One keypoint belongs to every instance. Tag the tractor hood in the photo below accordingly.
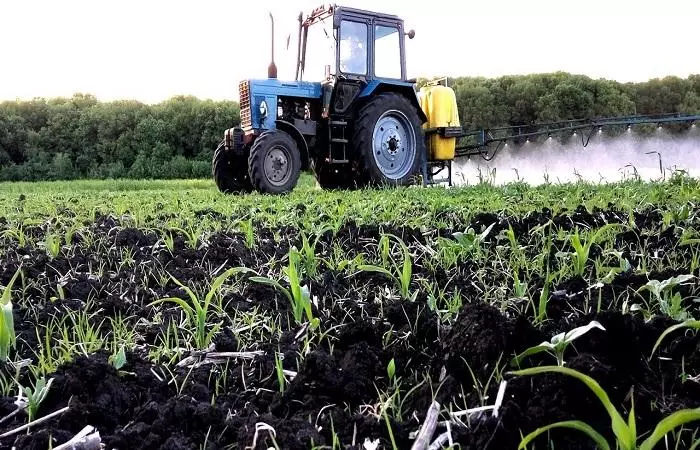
(258, 99)
(271, 86)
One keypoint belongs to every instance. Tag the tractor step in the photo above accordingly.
(337, 141)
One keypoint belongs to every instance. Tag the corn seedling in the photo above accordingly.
(246, 226)
(519, 287)
(118, 359)
(35, 396)
(690, 324)
(558, 345)
(279, 370)
(463, 245)
(8, 340)
(18, 234)
(582, 250)
(670, 302)
(298, 295)
(197, 313)
(191, 236)
(541, 310)
(625, 431)
(168, 240)
(391, 369)
(400, 274)
(308, 251)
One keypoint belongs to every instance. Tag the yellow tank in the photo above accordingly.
(439, 103)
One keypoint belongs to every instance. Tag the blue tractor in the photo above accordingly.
(361, 125)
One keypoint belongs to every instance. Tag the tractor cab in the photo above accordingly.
(350, 115)
(359, 50)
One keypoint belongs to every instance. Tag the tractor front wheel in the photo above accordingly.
(230, 172)
(389, 141)
(274, 162)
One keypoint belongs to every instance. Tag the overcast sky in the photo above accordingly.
(153, 49)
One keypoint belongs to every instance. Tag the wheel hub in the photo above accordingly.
(394, 144)
(277, 168)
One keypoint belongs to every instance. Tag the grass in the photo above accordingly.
(145, 201)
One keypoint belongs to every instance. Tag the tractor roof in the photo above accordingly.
(362, 12)
(325, 11)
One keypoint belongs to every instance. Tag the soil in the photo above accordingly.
(335, 392)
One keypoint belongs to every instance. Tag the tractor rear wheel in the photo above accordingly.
(389, 142)
(274, 162)
(230, 172)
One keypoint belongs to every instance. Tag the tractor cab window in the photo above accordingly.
(320, 51)
(353, 47)
(387, 52)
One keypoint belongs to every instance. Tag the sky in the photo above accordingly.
(150, 50)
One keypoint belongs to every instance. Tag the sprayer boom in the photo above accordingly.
(479, 142)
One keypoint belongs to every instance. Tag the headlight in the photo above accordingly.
(263, 108)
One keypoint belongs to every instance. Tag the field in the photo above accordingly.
(169, 316)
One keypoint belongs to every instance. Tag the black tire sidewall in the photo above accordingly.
(230, 172)
(367, 117)
(256, 160)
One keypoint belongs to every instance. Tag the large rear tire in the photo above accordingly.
(274, 163)
(388, 140)
(230, 172)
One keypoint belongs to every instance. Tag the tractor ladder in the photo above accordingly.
(337, 142)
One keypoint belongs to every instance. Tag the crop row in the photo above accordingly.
(337, 328)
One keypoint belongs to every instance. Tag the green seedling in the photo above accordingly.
(246, 227)
(544, 299)
(690, 323)
(519, 287)
(191, 236)
(582, 250)
(464, 245)
(197, 312)
(279, 370)
(299, 296)
(169, 240)
(559, 343)
(308, 251)
(35, 396)
(401, 274)
(8, 340)
(669, 301)
(391, 369)
(625, 431)
(118, 359)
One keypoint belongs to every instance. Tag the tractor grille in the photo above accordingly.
(244, 99)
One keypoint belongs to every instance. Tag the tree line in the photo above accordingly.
(528, 99)
(81, 137)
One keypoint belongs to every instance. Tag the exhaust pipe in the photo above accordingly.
(272, 68)
(301, 18)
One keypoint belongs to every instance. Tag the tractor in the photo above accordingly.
(363, 124)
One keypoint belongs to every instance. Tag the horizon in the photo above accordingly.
(159, 50)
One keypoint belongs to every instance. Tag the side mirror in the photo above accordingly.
(411, 34)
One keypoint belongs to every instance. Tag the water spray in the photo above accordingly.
(608, 159)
